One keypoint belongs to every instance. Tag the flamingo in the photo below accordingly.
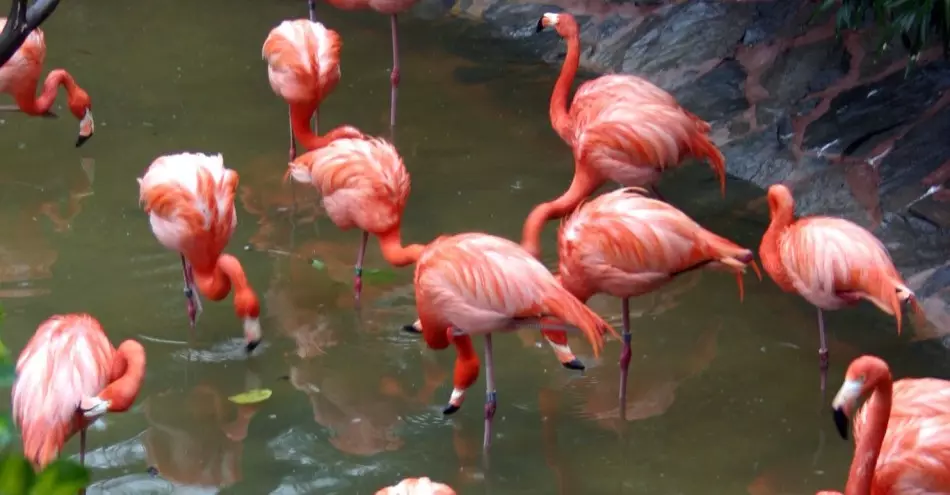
(303, 67)
(417, 486)
(626, 244)
(69, 375)
(831, 262)
(390, 8)
(621, 128)
(20, 75)
(908, 456)
(475, 284)
(189, 198)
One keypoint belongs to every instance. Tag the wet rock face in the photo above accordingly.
(847, 127)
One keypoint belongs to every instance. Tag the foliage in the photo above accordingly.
(254, 396)
(62, 477)
(918, 22)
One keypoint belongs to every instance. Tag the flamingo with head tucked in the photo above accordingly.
(189, 198)
(417, 486)
(20, 75)
(621, 128)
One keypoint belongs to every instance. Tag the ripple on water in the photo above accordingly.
(144, 484)
(229, 350)
(126, 453)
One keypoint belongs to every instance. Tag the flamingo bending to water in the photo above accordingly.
(895, 454)
(831, 262)
(20, 75)
(476, 284)
(626, 244)
(189, 198)
(303, 67)
(67, 376)
(621, 128)
(417, 486)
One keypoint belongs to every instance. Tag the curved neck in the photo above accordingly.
(559, 106)
(301, 115)
(30, 104)
(128, 371)
(782, 219)
(868, 447)
(216, 284)
(582, 186)
(394, 252)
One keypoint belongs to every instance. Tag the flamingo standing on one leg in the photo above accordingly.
(621, 128)
(189, 198)
(895, 454)
(831, 262)
(417, 486)
(303, 67)
(478, 284)
(67, 376)
(626, 244)
(20, 75)
(390, 8)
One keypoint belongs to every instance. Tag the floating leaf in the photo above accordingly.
(254, 396)
(16, 475)
(7, 373)
(319, 265)
(376, 276)
(62, 477)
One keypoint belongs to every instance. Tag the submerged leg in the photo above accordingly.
(191, 293)
(625, 357)
(394, 79)
(822, 351)
(358, 281)
(491, 397)
(312, 8)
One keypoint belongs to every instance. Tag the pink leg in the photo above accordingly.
(191, 293)
(358, 282)
(293, 145)
(491, 397)
(625, 357)
(394, 78)
(822, 352)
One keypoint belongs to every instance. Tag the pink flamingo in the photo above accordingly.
(908, 456)
(621, 128)
(626, 244)
(417, 486)
(189, 198)
(303, 67)
(831, 262)
(20, 75)
(68, 375)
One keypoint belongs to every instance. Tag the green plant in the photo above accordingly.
(918, 22)
(62, 477)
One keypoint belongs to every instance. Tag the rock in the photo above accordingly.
(726, 82)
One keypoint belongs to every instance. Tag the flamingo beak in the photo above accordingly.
(841, 422)
(847, 395)
(455, 401)
(252, 333)
(540, 25)
(86, 127)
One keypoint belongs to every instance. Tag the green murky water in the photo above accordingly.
(724, 393)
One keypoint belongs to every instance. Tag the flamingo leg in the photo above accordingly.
(491, 397)
(358, 281)
(312, 8)
(292, 154)
(394, 79)
(191, 293)
(625, 356)
(822, 351)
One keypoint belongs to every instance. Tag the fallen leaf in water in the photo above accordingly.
(319, 265)
(251, 396)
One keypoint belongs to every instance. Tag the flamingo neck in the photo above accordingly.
(868, 447)
(582, 186)
(216, 284)
(390, 242)
(300, 116)
(30, 104)
(128, 371)
(769, 250)
(560, 119)
(466, 363)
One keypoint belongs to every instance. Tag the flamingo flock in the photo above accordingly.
(625, 243)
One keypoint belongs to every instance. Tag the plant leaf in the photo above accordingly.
(319, 265)
(16, 474)
(62, 477)
(254, 396)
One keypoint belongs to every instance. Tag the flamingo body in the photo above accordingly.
(417, 486)
(303, 60)
(67, 375)
(388, 7)
(26, 64)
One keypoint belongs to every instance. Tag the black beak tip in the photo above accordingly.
(410, 329)
(575, 364)
(252, 345)
(540, 25)
(82, 139)
(841, 423)
(450, 409)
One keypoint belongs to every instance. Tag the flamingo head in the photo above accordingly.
(298, 171)
(563, 23)
(81, 107)
(862, 377)
(780, 200)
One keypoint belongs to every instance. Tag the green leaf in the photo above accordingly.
(6, 430)
(7, 373)
(254, 396)
(62, 477)
(319, 265)
(16, 475)
(377, 276)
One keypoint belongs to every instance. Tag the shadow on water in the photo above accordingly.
(356, 403)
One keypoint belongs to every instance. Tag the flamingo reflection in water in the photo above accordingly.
(196, 439)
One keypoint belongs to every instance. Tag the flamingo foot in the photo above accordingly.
(192, 307)
(358, 284)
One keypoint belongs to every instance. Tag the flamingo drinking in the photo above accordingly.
(902, 448)
(831, 262)
(303, 67)
(189, 198)
(20, 75)
(67, 376)
(417, 486)
(621, 128)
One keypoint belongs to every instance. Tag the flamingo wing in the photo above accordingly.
(912, 398)
(915, 458)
